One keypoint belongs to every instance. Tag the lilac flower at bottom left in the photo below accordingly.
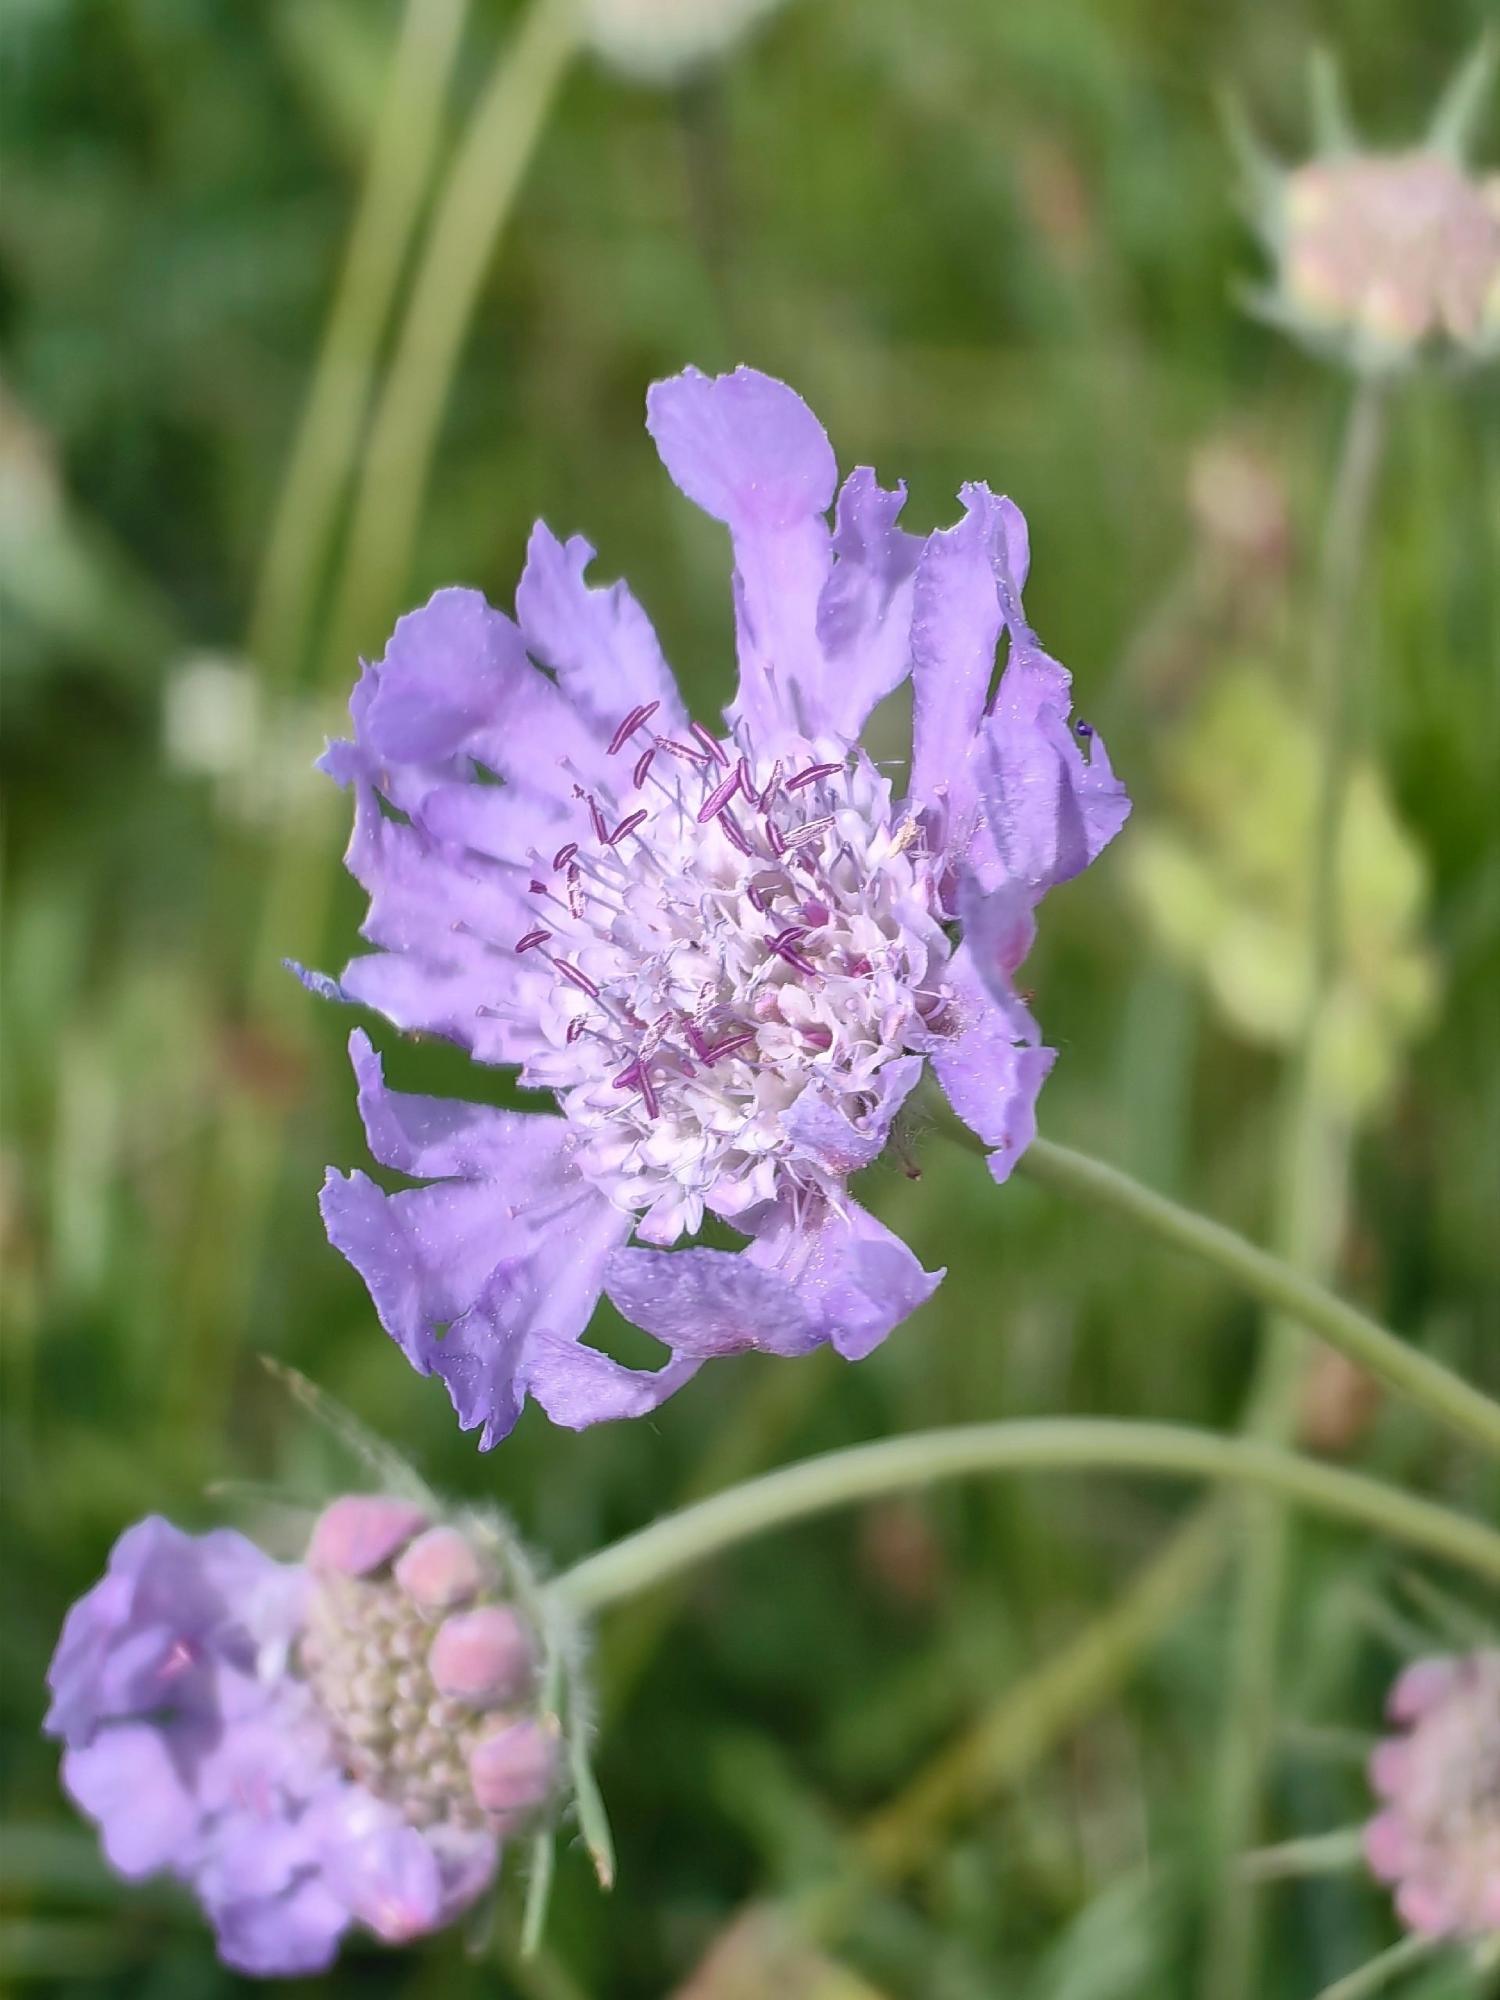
(306, 1747)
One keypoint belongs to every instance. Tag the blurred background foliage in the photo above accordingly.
(985, 239)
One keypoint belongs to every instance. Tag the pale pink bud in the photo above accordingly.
(439, 1570)
(359, 1531)
(513, 1771)
(482, 1657)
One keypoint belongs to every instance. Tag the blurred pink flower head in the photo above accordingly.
(1436, 1839)
(1381, 257)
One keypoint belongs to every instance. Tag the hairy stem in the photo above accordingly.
(1291, 1293)
(1099, 1444)
(1312, 1198)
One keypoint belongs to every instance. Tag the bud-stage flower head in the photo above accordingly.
(1437, 1835)
(295, 1742)
(728, 956)
(1381, 256)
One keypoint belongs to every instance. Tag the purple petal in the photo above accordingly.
(478, 1280)
(957, 618)
(702, 1303)
(823, 1128)
(509, 823)
(524, 1153)
(520, 1336)
(599, 643)
(282, 1937)
(380, 1868)
(999, 928)
(456, 682)
(128, 1784)
(445, 672)
(750, 452)
(151, 1633)
(578, 1386)
(865, 609)
(1050, 809)
(854, 1278)
(990, 1063)
(450, 1000)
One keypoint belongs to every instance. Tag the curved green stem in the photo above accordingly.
(1312, 1182)
(1278, 1285)
(1039, 1444)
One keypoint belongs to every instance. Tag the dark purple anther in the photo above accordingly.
(1084, 729)
(734, 833)
(718, 798)
(757, 900)
(634, 1076)
(682, 750)
(626, 730)
(627, 825)
(771, 785)
(727, 1048)
(575, 1028)
(774, 837)
(792, 957)
(638, 775)
(531, 940)
(630, 725)
(576, 978)
(811, 776)
(709, 742)
(601, 824)
(565, 854)
(695, 1039)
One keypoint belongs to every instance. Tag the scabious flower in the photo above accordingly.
(727, 954)
(306, 1746)
(1379, 257)
(1437, 1835)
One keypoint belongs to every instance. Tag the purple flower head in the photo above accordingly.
(727, 954)
(282, 1738)
(1436, 1837)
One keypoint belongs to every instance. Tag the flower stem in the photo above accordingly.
(473, 209)
(327, 434)
(1377, 1973)
(1312, 1200)
(1288, 1291)
(1041, 1707)
(470, 212)
(864, 1472)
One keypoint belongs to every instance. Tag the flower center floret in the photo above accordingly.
(425, 1675)
(726, 932)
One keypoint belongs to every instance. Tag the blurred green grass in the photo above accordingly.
(985, 241)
